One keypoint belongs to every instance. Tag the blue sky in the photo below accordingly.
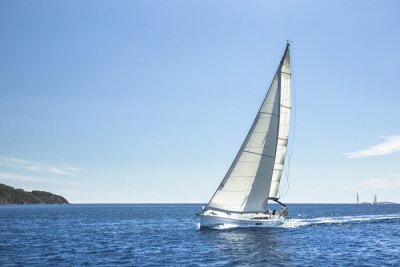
(149, 101)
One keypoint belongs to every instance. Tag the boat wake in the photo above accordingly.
(298, 223)
(295, 222)
(227, 226)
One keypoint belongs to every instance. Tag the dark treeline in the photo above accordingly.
(11, 195)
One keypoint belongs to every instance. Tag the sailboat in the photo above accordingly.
(255, 174)
(374, 200)
(358, 199)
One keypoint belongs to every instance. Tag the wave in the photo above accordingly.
(295, 223)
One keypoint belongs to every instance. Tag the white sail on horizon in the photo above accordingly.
(256, 171)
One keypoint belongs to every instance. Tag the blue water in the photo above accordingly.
(169, 235)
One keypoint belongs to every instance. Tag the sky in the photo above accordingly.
(149, 101)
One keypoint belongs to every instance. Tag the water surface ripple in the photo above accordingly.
(168, 235)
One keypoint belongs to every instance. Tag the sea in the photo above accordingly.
(169, 235)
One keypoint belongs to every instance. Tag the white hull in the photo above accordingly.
(237, 220)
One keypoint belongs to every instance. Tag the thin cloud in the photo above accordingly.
(390, 145)
(34, 179)
(37, 166)
(375, 183)
(381, 183)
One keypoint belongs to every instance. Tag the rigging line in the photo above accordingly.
(286, 189)
(283, 186)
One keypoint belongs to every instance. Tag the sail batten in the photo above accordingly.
(256, 171)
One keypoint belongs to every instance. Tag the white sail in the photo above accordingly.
(255, 173)
(284, 123)
(358, 199)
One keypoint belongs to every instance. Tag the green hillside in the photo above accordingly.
(11, 195)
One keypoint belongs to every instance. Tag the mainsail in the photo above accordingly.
(256, 171)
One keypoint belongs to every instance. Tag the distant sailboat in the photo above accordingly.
(358, 199)
(374, 200)
(255, 173)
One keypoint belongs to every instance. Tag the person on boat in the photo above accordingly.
(284, 211)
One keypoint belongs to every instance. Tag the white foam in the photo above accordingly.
(297, 222)
(232, 225)
(294, 223)
(226, 226)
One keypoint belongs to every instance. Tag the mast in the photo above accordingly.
(258, 165)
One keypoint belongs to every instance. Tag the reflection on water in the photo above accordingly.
(255, 246)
